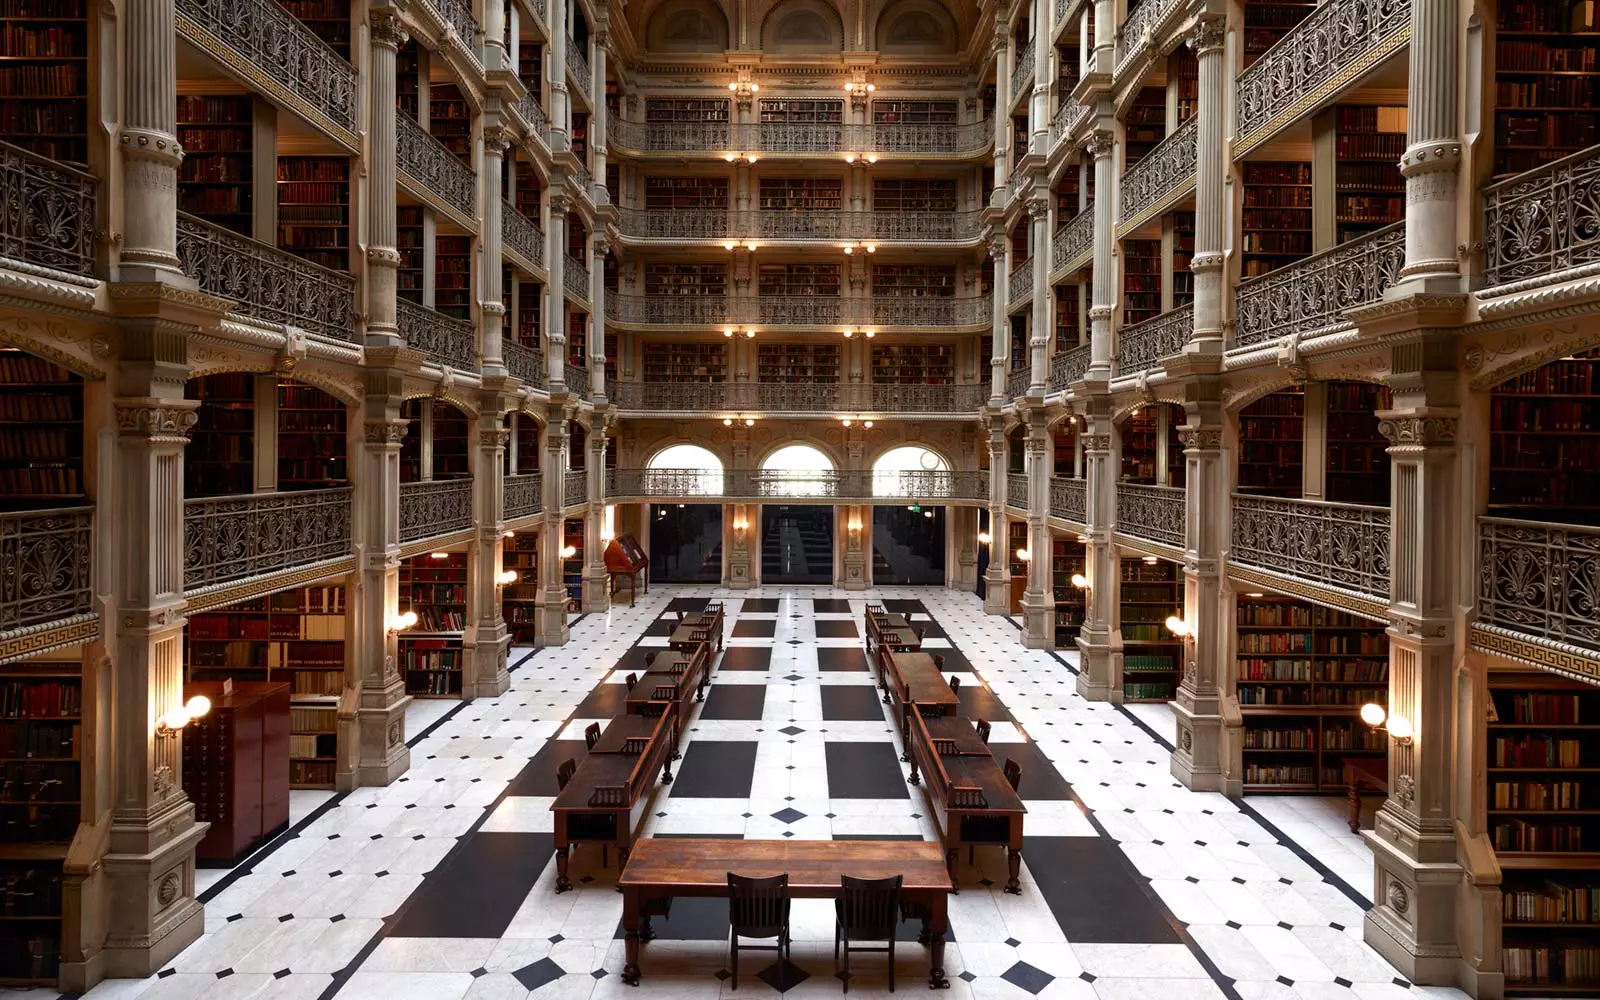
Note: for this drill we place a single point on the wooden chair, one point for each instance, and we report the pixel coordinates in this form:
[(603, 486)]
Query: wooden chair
[(631, 680), (984, 729), (591, 736), (955, 684), (564, 773), (758, 908), (868, 909), (938, 662), (1013, 772)]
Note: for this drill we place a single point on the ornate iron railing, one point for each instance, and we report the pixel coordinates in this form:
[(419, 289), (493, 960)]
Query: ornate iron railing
[(1336, 41), (1340, 545), (802, 310), (767, 484), (1140, 26), (444, 340), (532, 113), (434, 508), (717, 224), (584, 180), (576, 378), (1023, 73), (687, 224), (1544, 221), (578, 66), (523, 496), (526, 363), (708, 138), (267, 36), (1017, 490), (1540, 579), (238, 537), (1152, 512), (521, 234), (1167, 168), (889, 398), (575, 278), (49, 213), (1069, 499), (1311, 295), (790, 397), (430, 164), (781, 310), (1058, 124), (922, 311), (670, 310), (575, 487), (1074, 240), (1143, 345), (458, 15), (268, 284), (49, 571), (1020, 284), (1066, 367), (1017, 380)]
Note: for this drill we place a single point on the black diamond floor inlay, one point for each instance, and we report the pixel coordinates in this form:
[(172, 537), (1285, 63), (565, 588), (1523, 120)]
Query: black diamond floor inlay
[(538, 974), (1027, 977), (783, 975), (788, 815)]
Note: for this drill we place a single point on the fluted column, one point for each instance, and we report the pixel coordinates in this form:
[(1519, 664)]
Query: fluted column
[(555, 260), (495, 55), (1101, 146), (383, 258), (149, 144), (997, 592), (1038, 599), (1043, 79), (1043, 296), (560, 99), (597, 319), (381, 752), (597, 121), (1432, 161), (1004, 60), (490, 676), (496, 140), (1206, 40), (1000, 354), (597, 586), (551, 601), (1105, 37), (1100, 639), (1197, 761)]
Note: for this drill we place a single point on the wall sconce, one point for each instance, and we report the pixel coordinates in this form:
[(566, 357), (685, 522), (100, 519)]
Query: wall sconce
[(1399, 727), (438, 555), (750, 335), (870, 333), (1080, 581), (855, 525), (1177, 626), (749, 421), (569, 551), (168, 725), (851, 248), (984, 538), (741, 525), (1255, 593), (865, 88), (1023, 555), (727, 333), (846, 421), (1150, 560), (509, 534), (927, 513), (506, 577), (848, 333), (727, 421), (402, 621), (867, 424)]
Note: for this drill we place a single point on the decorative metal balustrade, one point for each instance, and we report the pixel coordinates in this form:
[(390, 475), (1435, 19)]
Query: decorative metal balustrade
[(1073, 245), (434, 508), (1155, 513), (444, 340), (575, 278), (430, 164), (722, 224), (1059, 128), (1020, 284), (273, 41), (254, 534), (1339, 545), (1067, 367), (1017, 381), (888, 398), (575, 487), (49, 216), (49, 572), (526, 363), (1017, 490), (578, 66), (1142, 346), (268, 284), (576, 378), (921, 311), (532, 113), (780, 310), (670, 310), (521, 234), (1069, 499), (1164, 171), (822, 485), (523, 495), (1540, 223), (1138, 32), (716, 138), (1022, 75), (583, 180), (458, 15), (1310, 296), (1540, 579), (1331, 47), (802, 310), (790, 397)]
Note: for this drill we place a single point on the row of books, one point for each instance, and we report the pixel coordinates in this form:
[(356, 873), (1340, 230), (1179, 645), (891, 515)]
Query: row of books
[(1548, 91), (53, 118), (42, 8), (1146, 633), (1340, 697), (1535, 15), (1563, 378), (1550, 453), (52, 80), (1512, 415), (39, 699), (438, 619), (1280, 739), (1542, 707), (1519, 55), (1278, 774), (1547, 129), (1277, 197), (30, 892), (36, 406), (1370, 208), (1142, 661), (1275, 235), (1547, 964), (1142, 691), (56, 41), (1551, 903), (1536, 795), (1536, 751), (1279, 642), (41, 443), (37, 738), (1523, 836), (213, 200), (194, 109), (1368, 177)]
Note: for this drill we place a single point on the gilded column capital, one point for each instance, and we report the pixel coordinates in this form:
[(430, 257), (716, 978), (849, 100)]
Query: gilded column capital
[(388, 29), (1206, 35), (1417, 430), (156, 419)]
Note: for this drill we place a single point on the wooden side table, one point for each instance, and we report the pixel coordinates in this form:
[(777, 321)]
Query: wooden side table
[(1372, 772)]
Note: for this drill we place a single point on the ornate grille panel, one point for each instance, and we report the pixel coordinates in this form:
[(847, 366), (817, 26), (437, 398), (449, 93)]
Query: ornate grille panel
[(575, 488), (443, 339), (430, 164), (522, 496), (890, 398), (276, 43), (575, 278), (914, 310), (48, 569), (1058, 125), (1017, 380), (801, 310), (1140, 27), (1153, 512), (1069, 499), (716, 137), (1544, 221), (435, 508), (267, 283), (1540, 579), (784, 310), (534, 115), (793, 397), (1023, 74), (239, 537), (1143, 345), (670, 310), (1328, 544), (47, 216), (584, 179), (1074, 242), (522, 234), (1068, 366), (685, 224), (1020, 283), (578, 66), (524, 362), (1167, 168), (458, 15), (1017, 490), (895, 487), (576, 378), (1310, 296)]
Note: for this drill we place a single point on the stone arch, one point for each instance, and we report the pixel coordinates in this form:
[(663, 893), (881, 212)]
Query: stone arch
[(687, 26), (1268, 384), (916, 27), (56, 341), (806, 441), (894, 446), (802, 26), (683, 445), (1515, 347), (459, 402), (1128, 409)]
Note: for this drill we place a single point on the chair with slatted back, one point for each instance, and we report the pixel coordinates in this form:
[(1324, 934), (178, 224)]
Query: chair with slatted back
[(758, 908), (631, 680), (564, 773), (1013, 772), (938, 662), (650, 657), (955, 684), (591, 736), (984, 729), (868, 909)]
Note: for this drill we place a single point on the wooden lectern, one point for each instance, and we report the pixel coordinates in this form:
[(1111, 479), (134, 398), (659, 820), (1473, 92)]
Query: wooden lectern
[(625, 560)]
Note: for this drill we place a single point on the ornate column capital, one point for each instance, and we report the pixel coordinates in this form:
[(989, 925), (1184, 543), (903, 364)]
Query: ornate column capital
[(384, 431), (1417, 430), (1206, 35), (388, 29), (494, 437), (560, 202), (1096, 443), (602, 246), (1038, 207), (156, 419), (497, 139), (1099, 143), (997, 247), (1200, 438)]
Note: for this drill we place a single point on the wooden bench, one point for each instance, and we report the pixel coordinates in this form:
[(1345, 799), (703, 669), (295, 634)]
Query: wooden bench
[(699, 626), (974, 804)]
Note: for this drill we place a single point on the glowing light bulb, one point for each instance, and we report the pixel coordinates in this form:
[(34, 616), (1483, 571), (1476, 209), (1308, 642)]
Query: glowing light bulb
[(1373, 714), (1080, 581), (197, 706), (506, 577), (1177, 626), (1400, 728)]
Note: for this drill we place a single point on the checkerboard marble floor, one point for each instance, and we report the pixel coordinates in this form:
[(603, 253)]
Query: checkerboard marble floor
[(441, 886)]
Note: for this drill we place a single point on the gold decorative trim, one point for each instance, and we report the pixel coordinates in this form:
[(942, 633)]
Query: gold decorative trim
[(1326, 91), (270, 583), (1564, 660), (21, 646), (1328, 597)]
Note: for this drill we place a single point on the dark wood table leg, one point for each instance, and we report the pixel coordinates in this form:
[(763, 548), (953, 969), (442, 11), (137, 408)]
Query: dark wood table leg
[(940, 923), (952, 857), (1014, 866), (666, 769), (1354, 782), (631, 907), (563, 884), (913, 780)]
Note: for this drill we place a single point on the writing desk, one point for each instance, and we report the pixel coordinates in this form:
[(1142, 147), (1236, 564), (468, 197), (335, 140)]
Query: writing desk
[(884, 628), (974, 804), (698, 626), (914, 679)]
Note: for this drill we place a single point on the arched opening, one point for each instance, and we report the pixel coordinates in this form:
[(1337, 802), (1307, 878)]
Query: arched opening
[(907, 471), (435, 441), (795, 470), (522, 447), (257, 432), (685, 538), (687, 26), (908, 541), (797, 539)]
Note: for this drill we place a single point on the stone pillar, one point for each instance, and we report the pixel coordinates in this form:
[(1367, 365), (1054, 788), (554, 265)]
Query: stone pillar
[(1038, 600), (496, 140), (551, 603), (857, 547), (1004, 59), (597, 582), (492, 641), (495, 55), (597, 121), (1043, 79), (1043, 294), (1102, 147), (149, 143), (737, 575), (1198, 759), (1000, 355), (1105, 40), (1211, 167), (379, 724), (997, 592), (555, 259), (597, 319), (1432, 161), (560, 99), (1100, 639), (383, 259)]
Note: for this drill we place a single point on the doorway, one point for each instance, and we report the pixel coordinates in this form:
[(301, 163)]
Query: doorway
[(796, 544), (908, 545), (686, 543)]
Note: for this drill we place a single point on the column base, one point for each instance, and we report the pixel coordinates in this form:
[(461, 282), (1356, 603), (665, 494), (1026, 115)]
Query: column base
[(490, 677), (997, 595), (151, 908), (1038, 620), (1197, 753), (552, 624), (1099, 662), (596, 589), (1412, 923), (382, 752)]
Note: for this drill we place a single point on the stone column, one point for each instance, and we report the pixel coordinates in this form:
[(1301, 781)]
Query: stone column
[(149, 143), (555, 259), (1198, 759), (560, 99), (551, 603), (381, 752), (496, 140), (1100, 639), (1004, 59), (1432, 161), (737, 576), (1043, 79), (1105, 39), (1038, 600), (495, 55), (857, 541), (997, 591), (1211, 167), (1043, 294), (597, 319), (597, 585), (597, 121), (1000, 355), (1102, 147), (383, 259), (492, 641)]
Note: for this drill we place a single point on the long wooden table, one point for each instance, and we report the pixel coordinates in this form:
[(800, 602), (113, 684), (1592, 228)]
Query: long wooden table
[(974, 804), (914, 679), (892, 630), (698, 626), (672, 677), (664, 868)]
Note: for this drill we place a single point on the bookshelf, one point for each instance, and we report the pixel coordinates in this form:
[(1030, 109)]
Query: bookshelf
[(914, 194), (1139, 445), (1066, 558), (661, 278), (311, 439), (1067, 317), (530, 67), (528, 318), (220, 457), (1182, 255), (1146, 125), (578, 339), (802, 112), (671, 194), (1184, 69), (815, 364), (572, 566), (314, 209), (798, 279), (406, 97), (1141, 280), (1272, 444), (1152, 656), (1544, 442), (450, 120), (580, 137), (527, 194), (519, 601), (413, 254), (1277, 215), (801, 194), (915, 113), (450, 442), (1016, 539), (44, 78), (914, 280), (1543, 777), (435, 587), (1304, 671), (329, 20), (913, 364), (1266, 22), (1358, 456), (1546, 83), (214, 179), (452, 275), (1067, 197), (679, 109), (1065, 443), (1369, 191), (41, 433), (680, 361), (411, 441)]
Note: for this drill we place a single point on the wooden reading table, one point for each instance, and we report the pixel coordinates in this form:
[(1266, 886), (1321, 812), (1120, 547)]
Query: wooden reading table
[(660, 869), (673, 676), (1373, 772), (698, 626), (974, 805), (892, 630), (914, 679)]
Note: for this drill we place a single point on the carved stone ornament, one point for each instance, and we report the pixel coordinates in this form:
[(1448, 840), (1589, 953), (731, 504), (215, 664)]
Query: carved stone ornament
[(1418, 430), (1206, 35), (1098, 144), (997, 247), (1186, 740), (155, 419), (163, 783), (560, 203), (1398, 898), (1039, 208), (385, 431), (1096, 442), (494, 437), (1201, 438), (388, 666), (167, 891), (1405, 790), (394, 733), (497, 138), (388, 28)]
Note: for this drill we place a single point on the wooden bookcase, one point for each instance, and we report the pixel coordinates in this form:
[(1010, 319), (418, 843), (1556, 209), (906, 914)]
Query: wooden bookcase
[(578, 339), (1370, 193), (913, 364), (311, 439), (1272, 444), (914, 194), (662, 278), (1185, 69), (801, 112), (214, 180), (1544, 442), (681, 361), (1547, 84), (572, 566), (1141, 280), (915, 113), (431, 651), (451, 446), (1066, 558), (669, 194), (1152, 656), (530, 67), (1067, 197), (524, 444), (801, 194), (580, 137), (329, 20), (519, 601), (1543, 754), (529, 321), (527, 195), (1358, 455), (412, 251), (1067, 317), (914, 281), (1266, 22), (1277, 215), (798, 279), (406, 96), (314, 209), (450, 120), (809, 363), (452, 275), (41, 433), (1141, 441), (220, 457), (44, 78), (1146, 124), (1182, 257), (682, 109)]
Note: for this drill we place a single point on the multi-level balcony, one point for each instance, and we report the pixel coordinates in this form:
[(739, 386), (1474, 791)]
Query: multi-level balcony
[(1141, 30), (50, 217), (268, 284), (1019, 285), (523, 495), (1539, 585), (1022, 75), (1162, 178), (521, 237), (1072, 247), (1144, 345), (1017, 491), (434, 175), (433, 509), (1338, 546), (575, 488), (444, 340), (876, 312), (1310, 296), (821, 486), (1538, 226), (232, 538), (1151, 513), (780, 398), (1067, 367), (718, 226), (1069, 499), (524, 362), (575, 279), (49, 580), (715, 139), (578, 69)]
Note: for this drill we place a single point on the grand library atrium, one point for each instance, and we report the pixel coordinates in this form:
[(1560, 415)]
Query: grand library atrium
[(1155, 441)]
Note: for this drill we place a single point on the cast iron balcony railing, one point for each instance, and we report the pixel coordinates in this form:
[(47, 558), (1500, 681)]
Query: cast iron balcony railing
[(1020, 284), (1073, 245), (584, 180), (526, 363), (1339, 545), (1017, 490), (1155, 513), (715, 138), (780, 310), (49, 213), (430, 164), (444, 340), (1066, 367), (1069, 499), (792, 397), (268, 284), (890, 398), (578, 66), (1023, 74), (1140, 26), (722, 224), (575, 278), (522, 495), (1541, 580), (921, 311), (254, 534), (1142, 346), (49, 576), (274, 42), (458, 15), (1310, 296), (802, 310), (576, 378), (575, 487), (670, 310), (1164, 170), (1331, 46), (534, 115), (522, 234), (1017, 380), (1540, 223), (768, 484), (431, 509)]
